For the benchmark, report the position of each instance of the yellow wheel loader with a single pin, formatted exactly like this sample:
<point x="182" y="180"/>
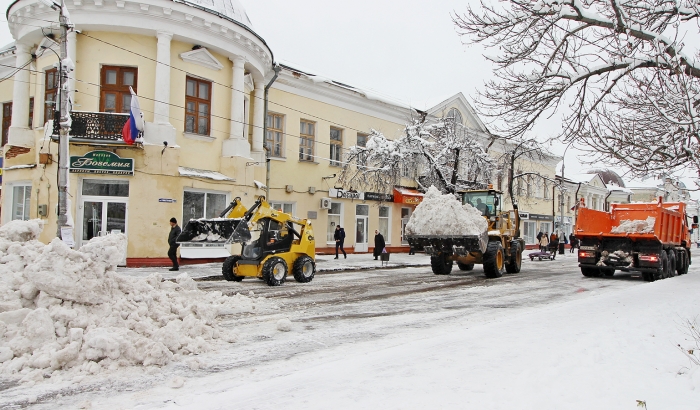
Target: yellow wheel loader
<point x="273" y="243"/>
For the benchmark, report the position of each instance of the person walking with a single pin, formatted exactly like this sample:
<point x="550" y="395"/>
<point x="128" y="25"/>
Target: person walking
<point x="379" y="244"/>
<point x="572" y="242"/>
<point x="544" y="241"/>
<point x="339" y="237"/>
<point x="172" y="242"/>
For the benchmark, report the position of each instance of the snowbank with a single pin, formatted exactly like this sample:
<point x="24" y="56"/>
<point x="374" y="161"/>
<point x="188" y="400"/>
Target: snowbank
<point x="635" y="226"/>
<point x="444" y="215"/>
<point x="62" y="309"/>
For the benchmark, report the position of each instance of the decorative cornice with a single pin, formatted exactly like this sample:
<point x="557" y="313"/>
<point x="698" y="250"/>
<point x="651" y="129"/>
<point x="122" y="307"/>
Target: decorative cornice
<point x="203" y="57"/>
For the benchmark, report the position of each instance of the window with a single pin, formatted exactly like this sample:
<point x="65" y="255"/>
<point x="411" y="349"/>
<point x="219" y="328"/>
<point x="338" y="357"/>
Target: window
<point x="197" y="106"/>
<point x="50" y="94"/>
<point x="286" y="207"/>
<point x="336" y="146"/>
<point x="529" y="233"/>
<point x="519" y="187"/>
<point x="103" y="187"/>
<point x="384" y="218"/>
<point x="529" y="187"/>
<point x="115" y="82"/>
<point x="546" y="227"/>
<point x="409" y="170"/>
<point x="6" y="121"/>
<point x="203" y="205"/>
<point x="568" y="203"/>
<point x="274" y="138"/>
<point x="455" y="115"/>
<point x="333" y="220"/>
<point x="546" y="191"/>
<point x="21" y="195"/>
<point x="31" y="112"/>
<point x="405" y="217"/>
<point x="306" y="140"/>
<point x="362" y="140"/>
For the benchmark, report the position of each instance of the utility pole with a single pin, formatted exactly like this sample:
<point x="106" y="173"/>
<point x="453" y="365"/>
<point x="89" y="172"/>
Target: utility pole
<point x="64" y="119"/>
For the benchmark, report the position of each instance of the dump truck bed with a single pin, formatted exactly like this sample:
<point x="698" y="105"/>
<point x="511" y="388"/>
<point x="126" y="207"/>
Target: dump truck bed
<point x="660" y="222"/>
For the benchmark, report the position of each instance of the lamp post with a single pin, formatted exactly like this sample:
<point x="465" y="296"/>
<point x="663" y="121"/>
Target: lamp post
<point x="562" y="190"/>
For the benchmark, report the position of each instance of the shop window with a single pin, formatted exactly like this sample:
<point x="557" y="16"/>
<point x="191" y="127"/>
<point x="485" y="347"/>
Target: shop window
<point x="114" y="88"/>
<point x="529" y="233"/>
<point x="307" y="131"/>
<point x="334" y="215"/>
<point x="50" y="94"/>
<point x="546" y="227"/>
<point x="286" y="207"/>
<point x="274" y="138"/>
<point x="21" y="195"/>
<point x="384" y="222"/>
<point x="197" y="204"/>
<point x="104" y="187"/>
<point x="197" y="106"/>
<point x="336" y="146"/>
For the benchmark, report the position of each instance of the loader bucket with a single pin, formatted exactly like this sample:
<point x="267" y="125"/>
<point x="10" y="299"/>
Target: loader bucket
<point x="217" y="230"/>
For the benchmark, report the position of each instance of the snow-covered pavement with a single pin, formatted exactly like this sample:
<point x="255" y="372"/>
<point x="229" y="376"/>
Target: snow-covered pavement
<point x="546" y="338"/>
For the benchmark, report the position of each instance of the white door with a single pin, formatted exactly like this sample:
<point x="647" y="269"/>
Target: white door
<point x="361" y="228"/>
<point x="104" y="214"/>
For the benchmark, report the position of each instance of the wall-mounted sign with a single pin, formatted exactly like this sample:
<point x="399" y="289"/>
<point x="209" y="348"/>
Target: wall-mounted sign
<point x="375" y="196"/>
<point x="524" y="215"/>
<point x="167" y="200"/>
<point x="363" y="196"/>
<point x="101" y="162"/>
<point x="407" y="196"/>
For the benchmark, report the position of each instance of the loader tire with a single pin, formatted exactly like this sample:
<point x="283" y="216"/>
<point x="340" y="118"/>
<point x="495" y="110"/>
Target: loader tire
<point x="227" y="269"/>
<point x="671" y="263"/>
<point x="515" y="261"/>
<point x="590" y="272"/>
<point x="441" y="264"/>
<point x="304" y="269"/>
<point x="494" y="259"/>
<point x="274" y="271"/>
<point x="465" y="266"/>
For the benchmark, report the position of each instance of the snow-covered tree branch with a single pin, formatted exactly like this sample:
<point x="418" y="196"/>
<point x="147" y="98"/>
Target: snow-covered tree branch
<point x="619" y="70"/>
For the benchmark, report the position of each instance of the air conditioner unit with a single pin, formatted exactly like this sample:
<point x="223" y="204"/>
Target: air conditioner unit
<point x="325" y="203"/>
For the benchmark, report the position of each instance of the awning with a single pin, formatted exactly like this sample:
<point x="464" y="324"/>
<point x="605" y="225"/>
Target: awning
<point x="408" y="196"/>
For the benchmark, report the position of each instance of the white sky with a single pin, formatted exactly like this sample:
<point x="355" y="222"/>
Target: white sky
<point x="407" y="50"/>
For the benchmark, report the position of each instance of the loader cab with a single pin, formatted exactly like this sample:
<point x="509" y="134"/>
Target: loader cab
<point x="486" y="201"/>
<point x="266" y="237"/>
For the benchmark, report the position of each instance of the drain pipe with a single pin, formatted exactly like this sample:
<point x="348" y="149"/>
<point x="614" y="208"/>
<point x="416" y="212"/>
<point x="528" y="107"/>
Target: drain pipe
<point x="276" y="68"/>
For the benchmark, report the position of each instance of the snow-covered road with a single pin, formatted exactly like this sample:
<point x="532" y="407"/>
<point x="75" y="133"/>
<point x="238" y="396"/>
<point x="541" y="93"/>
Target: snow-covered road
<point x="404" y="338"/>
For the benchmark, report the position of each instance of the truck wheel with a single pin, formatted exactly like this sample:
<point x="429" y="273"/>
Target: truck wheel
<point x="682" y="263"/>
<point x="671" y="263"/>
<point x="274" y="271"/>
<point x="662" y="272"/>
<point x="515" y="261"/>
<point x="590" y="272"/>
<point x="607" y="272"/>
<point x="494" y="260"/>
<point x="648" y="276"/>
<point x="465" y="266"/>
<point x="227" y="269"/>
<point x="304" y="269"/>
<point x="440" y="264"/>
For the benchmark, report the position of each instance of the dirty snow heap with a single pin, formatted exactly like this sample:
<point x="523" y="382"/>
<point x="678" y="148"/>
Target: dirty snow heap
<point x="635" y="226"/>
<point x="441" y="214"/>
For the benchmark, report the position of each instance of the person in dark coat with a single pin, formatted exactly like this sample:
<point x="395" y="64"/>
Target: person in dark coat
<point x="172" y="238"/>
<point x="339" y="237"/>
<point x="379" y="244"/>
<point x="573" y="242"/>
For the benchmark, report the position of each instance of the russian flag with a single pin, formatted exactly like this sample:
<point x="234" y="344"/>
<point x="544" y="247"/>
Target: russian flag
<point x="134" y="126"/>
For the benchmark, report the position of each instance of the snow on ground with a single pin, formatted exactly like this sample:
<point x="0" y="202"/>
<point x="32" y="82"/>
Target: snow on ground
<point x="64" y="312"/>
<point x="441" y="214"/>
<point x="603" y="351"/>
<point x="635" y="226"/>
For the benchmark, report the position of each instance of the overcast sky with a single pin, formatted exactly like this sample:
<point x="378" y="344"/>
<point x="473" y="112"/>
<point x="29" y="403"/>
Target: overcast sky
<point x="408" y="49"/>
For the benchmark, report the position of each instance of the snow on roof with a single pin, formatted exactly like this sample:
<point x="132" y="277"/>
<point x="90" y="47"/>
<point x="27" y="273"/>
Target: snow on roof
<point x="581" y="178"/>
<point x="203" y="173"/>
<point x="407" y="191"/>
<point x="229" y="8"/>
<point x="616" y="188"/>
<point x="646" y="183"/>
<point x="259" y="184"/>
<point x="7" y="47"/>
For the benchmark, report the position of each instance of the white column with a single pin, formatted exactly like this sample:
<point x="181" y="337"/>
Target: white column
<point x="73" y="55"/>
<point x="237" y="143"/>
<point x="19" y="133"/>
<point x="258" y="116"/>
<point x="161" y="109"/>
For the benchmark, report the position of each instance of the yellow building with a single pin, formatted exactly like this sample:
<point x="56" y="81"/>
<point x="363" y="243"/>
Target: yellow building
<point x="200" y="72"/>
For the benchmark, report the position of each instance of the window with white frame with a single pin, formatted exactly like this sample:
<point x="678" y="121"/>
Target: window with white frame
<point x="546" y="227"/>
<point x="546" y="191"/>
<point x="334" y="215"/>
<point x="203" y="204"/>
<point x="384" y="222"/>
<point x="307" y="130"/>
<point x="455" y="116"/>
<point x="286" y="207"/>
<point x="336" y="146"/>
<point x="21" y="195"/>
<point x="529" y="233"/>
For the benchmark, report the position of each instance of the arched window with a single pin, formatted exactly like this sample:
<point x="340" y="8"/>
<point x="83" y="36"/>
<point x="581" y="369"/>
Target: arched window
<point x="454" y="115"/>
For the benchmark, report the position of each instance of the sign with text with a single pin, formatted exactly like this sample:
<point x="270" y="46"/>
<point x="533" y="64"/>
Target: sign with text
<point x="340" y="193"/>
<point x="101" y="162"/>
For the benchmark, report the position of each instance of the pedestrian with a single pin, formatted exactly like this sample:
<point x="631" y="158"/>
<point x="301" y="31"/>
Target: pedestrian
<point x="339" y="237"/>
<point x="539" y="236"/>
<point x="172" y="242"/>
<point x="379" y="244"/>
<point x="544" y="241"/>
<point x="572" y="241"/>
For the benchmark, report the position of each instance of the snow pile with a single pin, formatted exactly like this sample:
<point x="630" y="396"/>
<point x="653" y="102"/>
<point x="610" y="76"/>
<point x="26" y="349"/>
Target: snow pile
<point x="635" y="226"/>
<point x="444" y="215"/>
<point x="63" y="309"/>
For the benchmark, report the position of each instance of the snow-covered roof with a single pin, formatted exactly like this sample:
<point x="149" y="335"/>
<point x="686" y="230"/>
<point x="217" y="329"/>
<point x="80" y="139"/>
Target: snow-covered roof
<point x="203" y="173"/>
<point x="581" y="178"/>
<point x="228" y="8"/>
<point x="646" y="183"/>
<point x="615" y="188"/>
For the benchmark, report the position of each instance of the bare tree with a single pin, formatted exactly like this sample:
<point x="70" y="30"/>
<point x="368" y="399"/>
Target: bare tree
<point x="616" y="68"/>
<point x="441" y="153"/>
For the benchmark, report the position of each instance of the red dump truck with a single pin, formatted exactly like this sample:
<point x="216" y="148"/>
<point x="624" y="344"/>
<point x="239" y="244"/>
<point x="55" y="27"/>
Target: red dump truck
<point x="651" y="238"/>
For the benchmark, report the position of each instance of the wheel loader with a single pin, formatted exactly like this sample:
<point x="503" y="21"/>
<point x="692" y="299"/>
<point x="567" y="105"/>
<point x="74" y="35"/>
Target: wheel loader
<point x="499" y="248"/>
<point x="272" y="242"/>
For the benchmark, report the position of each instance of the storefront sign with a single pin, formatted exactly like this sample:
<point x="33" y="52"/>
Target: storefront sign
<point x="407" y="196"/>
<point x="524" y="215"/>
<point x="167" y="200"/>
<point x="342" y="194"/>
<point x="539" y="217"/>
<point x="102" y="162"/>
<point x="567" y="220"/>
<point x="374" y="196"/>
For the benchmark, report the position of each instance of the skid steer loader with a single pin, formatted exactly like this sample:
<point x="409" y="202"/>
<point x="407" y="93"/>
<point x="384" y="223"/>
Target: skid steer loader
<point x="272" y="242"/>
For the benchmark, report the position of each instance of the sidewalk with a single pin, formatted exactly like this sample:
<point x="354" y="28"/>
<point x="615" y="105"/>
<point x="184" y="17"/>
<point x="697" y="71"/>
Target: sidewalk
<point x="324" y="264"/>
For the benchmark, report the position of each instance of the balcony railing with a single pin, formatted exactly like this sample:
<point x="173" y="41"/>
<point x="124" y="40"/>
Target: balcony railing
<point x="96" y="127"/>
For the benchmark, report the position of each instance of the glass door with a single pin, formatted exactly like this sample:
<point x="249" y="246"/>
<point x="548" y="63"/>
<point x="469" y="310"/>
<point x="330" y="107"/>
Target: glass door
<point x="92" y="219"/>
<point x="102" y="218"/>
<point x="361" y="228"/>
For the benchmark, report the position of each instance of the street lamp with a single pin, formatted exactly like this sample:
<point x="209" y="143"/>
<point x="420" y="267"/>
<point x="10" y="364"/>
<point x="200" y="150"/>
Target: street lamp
<point x="562" y="190"/>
